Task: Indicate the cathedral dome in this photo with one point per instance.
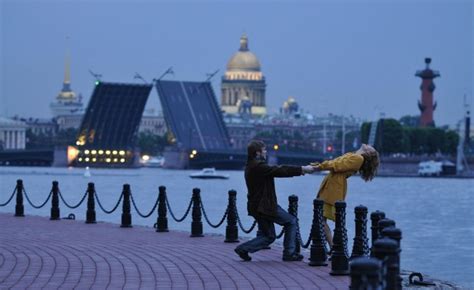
(243, 60)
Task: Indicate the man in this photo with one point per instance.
(262, 203)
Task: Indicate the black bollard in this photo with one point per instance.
(387, 251)
(231, 230)
(19, 208)
(395, 234)
(55, 202)
(126, 216)
(90, 214)
(318, 254)
(162, 220)
(365, 273)
(392, 233)
(385, 223)
(360, 246)
(339, 258)
(196, 224)
(375, 217)
(293, 210)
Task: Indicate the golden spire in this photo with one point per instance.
(67, 64)
(244, 43)
(66, 93)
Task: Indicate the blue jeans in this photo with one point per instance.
(268, 235)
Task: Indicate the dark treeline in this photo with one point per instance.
(392, 137)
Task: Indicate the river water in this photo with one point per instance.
(436, 215)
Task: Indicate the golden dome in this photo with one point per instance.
(243, 60)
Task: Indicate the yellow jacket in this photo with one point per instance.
(334, 185)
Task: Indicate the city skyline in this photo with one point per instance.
(348, 58)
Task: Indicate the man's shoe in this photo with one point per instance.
(243, 255)
(292, 258)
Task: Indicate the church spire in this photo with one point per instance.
(67, 67)
(66, 93)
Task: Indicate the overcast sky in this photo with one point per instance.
(344, 57)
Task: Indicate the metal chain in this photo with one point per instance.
(72, 206)
(365, 240)
(241, 226)
(322, 232)
(300, 240)
(11, 197)
(139, 213)
(35, 206)
(185, 214)
(103, 209)
(345, 239)
(207, 220)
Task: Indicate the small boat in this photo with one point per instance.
(209, 173)
(152, 161)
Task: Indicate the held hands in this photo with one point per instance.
(307, 169)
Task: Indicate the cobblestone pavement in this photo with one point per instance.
(36, 253)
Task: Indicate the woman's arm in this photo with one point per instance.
(348, 162)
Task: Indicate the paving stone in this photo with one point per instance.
(38, 253)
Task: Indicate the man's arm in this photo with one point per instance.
(264, 169)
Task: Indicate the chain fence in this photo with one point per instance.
(37, 206)
(139, 212)
(73, 206)
(240, 223)
(103, 209)
(185, 214)
(10, 199)
(209, 222)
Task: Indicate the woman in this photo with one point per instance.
(334, 186)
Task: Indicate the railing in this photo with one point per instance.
(380, 270)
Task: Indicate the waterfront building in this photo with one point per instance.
(293, 130)
(40, 126)
(12, 134)
(243, 84)
(153, 123)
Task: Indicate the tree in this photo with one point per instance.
(66, 137)
(450, 142)
(410, 121)
(435, 140)
(388, 138)
(39, 141)
(364, 132)
(392, 136)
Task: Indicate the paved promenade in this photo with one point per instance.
(36, 253)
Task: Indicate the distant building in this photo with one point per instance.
(67, 103)
(427, 105)
(243, 85)
(12, 134)
(72, 121)
(295, 131)
(153, 123)
(40, 126)
(290, 106)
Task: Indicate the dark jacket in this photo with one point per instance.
(259, 177)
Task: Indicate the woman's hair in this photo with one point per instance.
(253, 147)
(371, 164)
